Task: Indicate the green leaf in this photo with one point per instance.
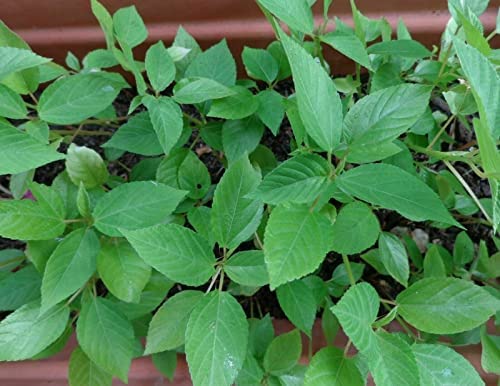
(167, 329)
(318, 101)
(490, 355)
(106, 336)
(260, 64)
(348, 44)
(193, 176)
(439, 365)
(121, 269)
(329, 367)
(271, 109)
(393, 255)
(235, 218)
(20, 152)
(355, 229)
(295, 243)
(296, 13)
(216, 340)
(19, 288)
(405, 48)
(383, 116)
(185, 40)
(86, 166)
(166, 117)
(179, 253)
(99, 58)
(83, 372)
(11, 104)
(105, 21)
(216, 63)
(199, 90)
(159, 66)
(199, 218)
(393, 188)
(13, 60)
(71, 264)
(129, 27)
(75, 98)
(251, 374)
(42, 219)
(297, 301)
(463, 249)
(433, 263)
(135, 205)
(283, 353)
(26, 332)
(247, 268)
(237, 106)
(241, 136)
(484, 82)
(299, 179)
(166, 363)
(446, 305)
(392, 362)
(136, 136)
(356, 311)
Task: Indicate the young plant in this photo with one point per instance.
(170, 249)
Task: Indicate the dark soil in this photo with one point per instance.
(264, 301)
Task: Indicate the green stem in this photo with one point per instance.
(348, 269)
(438, 135)
(84, 132)
(192, 119)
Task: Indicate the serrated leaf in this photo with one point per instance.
(199, 90)
(463, 249)
(240, 137)
(247, 268)
(490, 354)
(442, 366)
(216, 63)
(348, 44)
(99, 58)
(355, 229)
(20, 152)
(168, 327)
(356, 311)
(433, 263)
(19, 288)
(289, 252)
(392, 362)
(393, 255)
(26, 332)
(393, 188)
(71, 264)
(329, 367)
(185, 256)
(135, 205)
(129, 27)
(75, 98)
(136, 136)
(216, 340)
(405, 48)
(237, 106)
(166, 118)
(297, 301)
(260, 64)
(446, 305)
(199, 218)
(14, 60)
(160, 67)
(235, 218)
(271, 109)
(318, 101)
(296, 13)
(106, 336)
(11, 104)
(105, 21)
(299, 179)
(86, 166)
(121, 269)
(283, 353)
(83, 372)
(33, 220)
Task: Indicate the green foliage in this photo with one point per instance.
(174, 213)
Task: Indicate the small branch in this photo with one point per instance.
(214, 279)
(348, 269)
(438, 135)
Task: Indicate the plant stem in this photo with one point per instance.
(83, 132)
(5, 190)
(75, 295)
(469, 190)
(192, 119)
(438, 135)
(214, 279)
(348, 269)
